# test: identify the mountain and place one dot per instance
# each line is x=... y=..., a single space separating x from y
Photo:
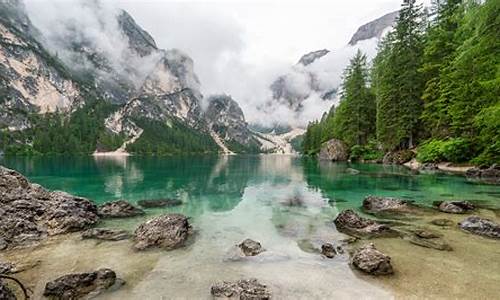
x=375 y=28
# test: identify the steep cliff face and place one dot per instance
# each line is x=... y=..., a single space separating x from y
x=225 y=119
x=310 y=57
x=31 y=79
x=375 y=28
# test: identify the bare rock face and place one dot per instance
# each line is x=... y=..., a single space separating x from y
x=374 y=204
x=310 y=57
x=76 y=286
x=369 y=260
x=334 y=150
x=455 y=207
x=29 y=213
x=106 y=234
x=5 y=292
x=351 y=223
x=168 y=232
x=481 y=226
x=374 y=28
x=250 y=247
x=241 y=289
x=119 y=209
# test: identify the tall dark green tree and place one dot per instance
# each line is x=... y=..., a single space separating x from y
x=354 y=120
x=398 y=80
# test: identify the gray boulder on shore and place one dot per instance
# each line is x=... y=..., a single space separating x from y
x=369 y=260
x=351 y=223
x=490 y=174
x=374 y=205
x=30 y=213
x=334 y=150
x=168 y=232
x=241 y=289
x=79 y=285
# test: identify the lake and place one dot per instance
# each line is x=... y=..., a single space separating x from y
x=287 y=203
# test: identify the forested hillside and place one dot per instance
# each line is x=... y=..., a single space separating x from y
x=434 y=86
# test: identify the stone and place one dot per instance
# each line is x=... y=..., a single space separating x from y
x=242 y=289
x=328 y=250
x=29 y=213
x=434 y=243
x=5 y=292
x=371 y=261
x=352 y=171
x=442 y=222
x=79 y=285
x=398 y=157
x=119 y=209
x=481 y=226
x=351 y=223
x=455 y=207
x=169 y=231
x=374 y=205
x=429 y=167
x=490 y=175
x=159 y=203
x=426 y=233
x=250 y=247
x=6 y=268
x=334 y=150
x=106 y=234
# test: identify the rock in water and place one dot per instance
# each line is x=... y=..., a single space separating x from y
x=334 y=150
x=481 y=226
x=106 y=234
x=5 y=292
x=168 y=231
x=369 y=260
x=491 y=174
x=374 y=204
x=29 y=213
x=434 y=243
x=241 y=289
x=119 y=209
x=442 y=222
x=455 y=207
x=76 y=286
x=328 y=250
x=351 y=223
x=158 y=203
x=250 y=247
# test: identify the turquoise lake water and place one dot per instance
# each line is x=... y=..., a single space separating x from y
x=285 y=202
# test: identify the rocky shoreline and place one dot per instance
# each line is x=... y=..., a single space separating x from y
x=30 y=214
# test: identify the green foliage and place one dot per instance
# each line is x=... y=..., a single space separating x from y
x=453 y=150
x=368 y=152
x=487 y=123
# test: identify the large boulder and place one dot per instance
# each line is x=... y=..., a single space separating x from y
x=376 y=205
x=369 y=260
x=491 y=174
x=76 y=286
x=168 y=232
x=119 y=209
x=481 y=226
x=159 y=203
x=106 y=234
x=455 y=207
x=351 y=223
x=241 y=289
x=29 y=213
x=398 y=157
x=334 y=150
x=250 y=247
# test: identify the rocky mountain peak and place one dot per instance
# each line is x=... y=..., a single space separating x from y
x=310 y=57
x=374 y=28
x=139 y=39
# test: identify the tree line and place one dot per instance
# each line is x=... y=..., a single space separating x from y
x=434 y=85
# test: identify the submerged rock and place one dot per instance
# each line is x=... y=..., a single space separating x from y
x=455 y=207
x=106 y=234
x=29 y=213
x=334 y=150
x=434 y=243
x=351 y=223
x=491 y=174
x=328 y=250
x=168 y=231
x=241 y=289
x=426 y=233
x=369 y=260
x=5 y=292
x=250 y=247
x=442 y=222
x=352 y=171
x=481 y=226
x=159 y=203
x=119 y=209
x=374 y=205
x=76 y=286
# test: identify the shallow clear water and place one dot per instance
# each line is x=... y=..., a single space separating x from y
x=285 y=202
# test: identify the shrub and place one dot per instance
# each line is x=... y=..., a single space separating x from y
x=452 y=150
